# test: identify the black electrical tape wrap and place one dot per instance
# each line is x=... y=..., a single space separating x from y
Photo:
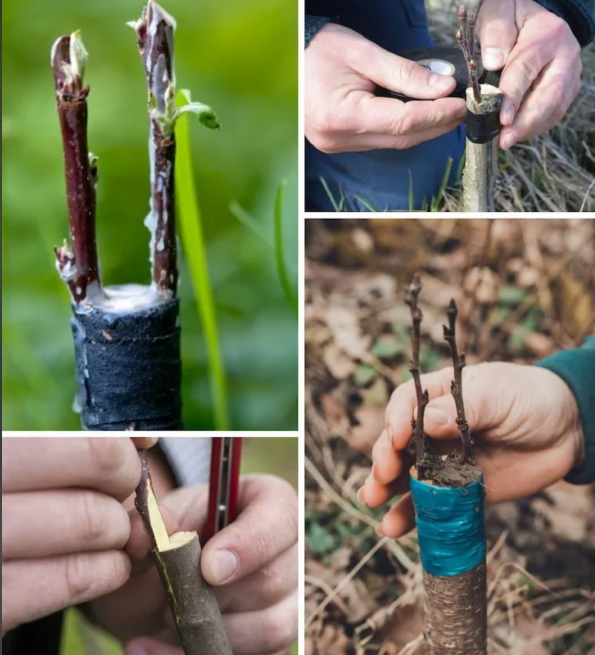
x=128 y=368
x=482 y=128
x=453 y=55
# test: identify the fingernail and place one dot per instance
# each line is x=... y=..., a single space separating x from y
x=378 y=531
x=374 y=472
x=360 y=495
x=493 y=58
x=436 y=416
x=507 y=113
x=442 y=82
x=224 y=564
x=508 y=140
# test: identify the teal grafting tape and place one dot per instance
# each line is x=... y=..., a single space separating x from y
x=451 y=526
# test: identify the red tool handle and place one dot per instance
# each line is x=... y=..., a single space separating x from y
x=224 y=481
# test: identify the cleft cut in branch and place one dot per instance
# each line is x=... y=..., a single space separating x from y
x=458 y=362
x=77 y=263
x=177 y=557
x=411 y=298
x=155 y=38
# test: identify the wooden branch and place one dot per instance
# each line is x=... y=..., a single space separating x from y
x=481 y=154
x=456 y=613
x=77 y=263
x=411 y=298
x=155 y=38
x=458 y=363
x=177 y=557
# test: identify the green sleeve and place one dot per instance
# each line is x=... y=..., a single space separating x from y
x=577 y=368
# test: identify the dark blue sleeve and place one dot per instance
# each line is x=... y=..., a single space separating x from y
x=579 y=14
x=577 y=368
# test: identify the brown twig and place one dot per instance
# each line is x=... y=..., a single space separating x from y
x=155 y=38
x=77 y=263
x=458 y=362
x=411 y=298
x=466 y=40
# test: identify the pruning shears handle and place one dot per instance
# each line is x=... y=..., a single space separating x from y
x=226 y=457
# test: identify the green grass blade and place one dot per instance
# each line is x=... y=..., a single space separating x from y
x=439 y=197
x=195 y=251
x=247 y=220
x=329 y=193
x=369 y=206
x=280 y=250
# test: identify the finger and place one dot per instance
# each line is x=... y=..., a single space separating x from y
x=400 y=74
x=147 y=646
x=106 y=464
x=387 y=463
x=363 y=142
x=392 y=117
x=61 y=522
x=375 y=494
x=399 y=411
x=35 y=588
x=400 y=518
x=525 y=63
x=263 y=588
x=497 y=32
x=545 y=106
x=266 y=527
x=140 y=542
x=264 y=632
x=142 y=443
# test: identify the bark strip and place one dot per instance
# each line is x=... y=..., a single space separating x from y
x=177 y=557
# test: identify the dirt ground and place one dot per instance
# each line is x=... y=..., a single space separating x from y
x=524 y=289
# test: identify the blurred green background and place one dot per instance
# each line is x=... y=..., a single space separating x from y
x=238 y=56
x=277 y=455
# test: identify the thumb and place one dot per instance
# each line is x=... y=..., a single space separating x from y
x=497 y=32
x=399 y=74
x=440 y=418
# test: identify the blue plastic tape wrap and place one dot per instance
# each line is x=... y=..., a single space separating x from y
x=450 y=525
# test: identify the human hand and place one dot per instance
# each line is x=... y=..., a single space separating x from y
x=538 y=52
x=342 y=112
x=252 y=564
x=63 y=523
x=524 y=419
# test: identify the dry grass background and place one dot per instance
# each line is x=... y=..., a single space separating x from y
x=555 y=172
x=525 y=288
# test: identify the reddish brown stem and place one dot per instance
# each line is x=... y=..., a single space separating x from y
x=466 y=39
x=411 y=298
x=458 y=362
x=155 y=32
x=78 y=264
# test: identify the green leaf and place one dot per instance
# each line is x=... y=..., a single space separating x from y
x=387 y=346
x=195 y=251
x=364 y=374
x=320 y=540
x=511 y=295
x=205 y=114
